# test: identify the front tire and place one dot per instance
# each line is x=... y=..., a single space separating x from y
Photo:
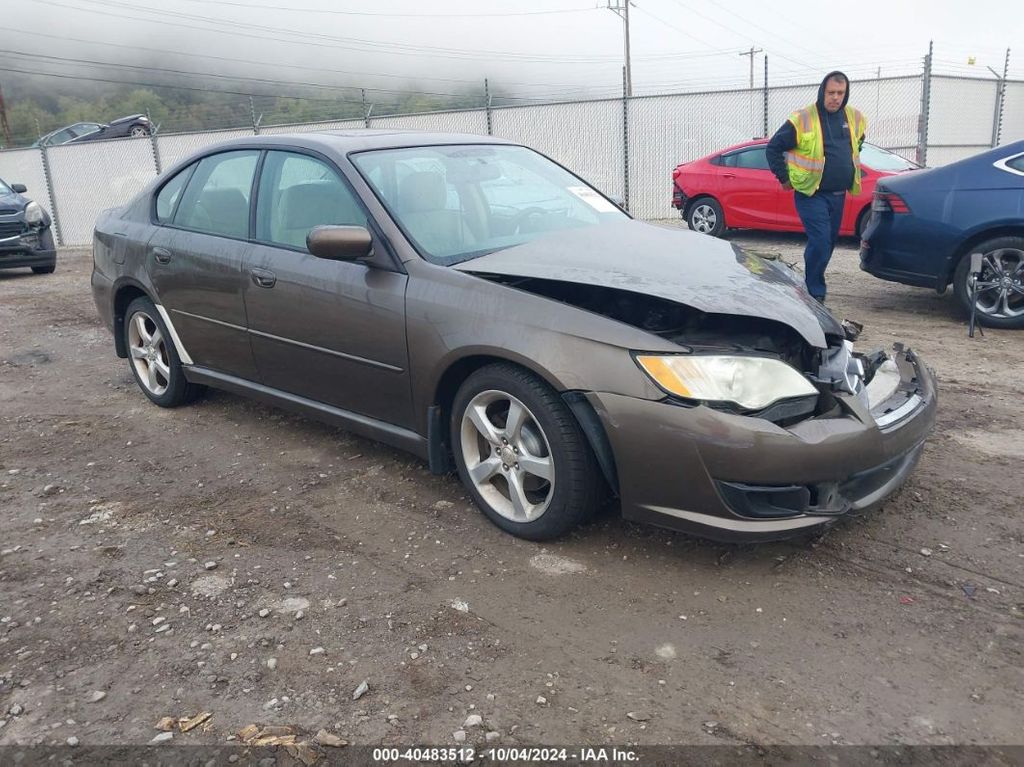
x=152 y=357
x=1000 y=297
x=521 y=453
x=48 y=269
x=706 y=216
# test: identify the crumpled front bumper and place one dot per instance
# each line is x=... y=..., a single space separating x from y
x=734 y=477
x=33 y=248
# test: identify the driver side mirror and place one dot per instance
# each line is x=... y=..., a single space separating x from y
x=19 y=188
x=340 y=243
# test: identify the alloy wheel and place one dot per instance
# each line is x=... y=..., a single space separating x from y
x=1000 y=285
x=148 y=351
x=507 y=456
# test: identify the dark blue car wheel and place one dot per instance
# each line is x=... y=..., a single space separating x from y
x=999 y=293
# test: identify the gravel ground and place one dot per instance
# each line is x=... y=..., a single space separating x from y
x=235 y=559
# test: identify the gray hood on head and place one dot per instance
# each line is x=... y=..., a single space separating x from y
x=702 y=272
x=821 y=90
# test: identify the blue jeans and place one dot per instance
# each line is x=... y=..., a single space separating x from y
x=821 y=215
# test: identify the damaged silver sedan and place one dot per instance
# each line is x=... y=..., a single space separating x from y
x=473 y=302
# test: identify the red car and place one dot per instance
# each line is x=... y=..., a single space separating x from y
x=735 y=189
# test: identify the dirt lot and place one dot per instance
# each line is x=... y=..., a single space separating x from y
x=232 y=558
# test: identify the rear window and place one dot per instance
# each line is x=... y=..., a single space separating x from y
x=877 y=158
x=168 y=196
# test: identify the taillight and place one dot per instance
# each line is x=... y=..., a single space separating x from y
x=889 y=201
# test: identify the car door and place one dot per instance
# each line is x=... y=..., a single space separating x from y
x=329 y=331
x=195 y=259
x=748 y=190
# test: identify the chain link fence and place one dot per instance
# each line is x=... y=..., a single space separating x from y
x=89 y=178
x=1012 y=127
x=26 y=166
x=626 y=147
x=585 y=137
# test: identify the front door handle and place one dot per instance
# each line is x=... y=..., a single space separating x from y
x=162 y=255
x=728 y=175
x=263 y=277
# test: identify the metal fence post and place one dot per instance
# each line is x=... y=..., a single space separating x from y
x=252 y=116
x=766 y=95
x=997 y=118
x=625 y=143
x=153 y=143
x=926 y=100
x=53 y=198
x=487 y=96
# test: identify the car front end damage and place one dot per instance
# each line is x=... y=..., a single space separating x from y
x=762 y=421
x=26 y=238
x=711 y=469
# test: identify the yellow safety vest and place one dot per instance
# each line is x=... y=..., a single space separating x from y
x=806 y=161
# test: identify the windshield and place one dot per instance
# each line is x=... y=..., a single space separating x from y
x=877 y=158
x=4 y=189
x=457 y=202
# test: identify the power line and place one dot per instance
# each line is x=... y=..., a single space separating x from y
x=346 y=43
x=393 y=15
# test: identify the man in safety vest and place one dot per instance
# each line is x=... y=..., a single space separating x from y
x=816 y=153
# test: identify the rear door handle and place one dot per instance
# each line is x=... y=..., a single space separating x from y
x=162 y=255
x=263 y=278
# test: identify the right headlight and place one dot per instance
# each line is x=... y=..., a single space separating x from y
x=752 y=383
x=33 y=214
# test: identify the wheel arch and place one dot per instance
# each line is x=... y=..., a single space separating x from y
x=125 y=292
x=973 y=240
x=461 y=368
x=697 y=198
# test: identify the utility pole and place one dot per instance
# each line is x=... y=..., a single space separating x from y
x=751 y=53
x=621 y=9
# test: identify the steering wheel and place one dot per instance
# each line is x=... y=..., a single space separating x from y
x=519 y=221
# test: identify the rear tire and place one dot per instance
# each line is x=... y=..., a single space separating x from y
x=1000 y=300
x=138 y=131
x=862 y=222
x=152 y=357
x=521 y=453
x=48 y=269
x=705 y=215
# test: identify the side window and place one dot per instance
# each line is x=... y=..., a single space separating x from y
x=1017 y=163
x=61 y=137
x=728 y=160
x=216 y=199
x=297 y=193
x=169 y=194
x=752 y=159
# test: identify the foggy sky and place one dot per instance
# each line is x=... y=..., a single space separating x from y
x=530 y=48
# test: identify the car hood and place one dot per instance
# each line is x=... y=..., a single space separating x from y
x=702 y=272
x=12 y=202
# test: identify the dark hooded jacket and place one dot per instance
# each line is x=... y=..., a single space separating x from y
x=838 y=173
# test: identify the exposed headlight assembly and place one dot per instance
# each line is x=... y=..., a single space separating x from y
x=752 y=383
x=33 y=214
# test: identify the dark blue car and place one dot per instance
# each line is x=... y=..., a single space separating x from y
x=926 y=224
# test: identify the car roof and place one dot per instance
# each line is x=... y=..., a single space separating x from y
x=358 y=140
